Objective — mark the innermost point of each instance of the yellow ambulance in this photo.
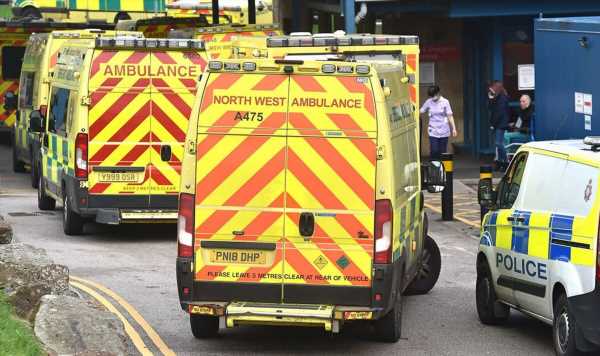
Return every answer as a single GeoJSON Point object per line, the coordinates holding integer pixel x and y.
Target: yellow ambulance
{"type": "Point", "coordinates": [301, 198]}
{"type": "Point", "coordinates": [13, 41]}
{"type": "Point", "coordinates": [39, 61]}
{"type": "Point", "coordinates": [87, 10]}
{"type": "Point", "coordinates": [113, 132]}
{"type": "Point", "coordinates": [235, 11]}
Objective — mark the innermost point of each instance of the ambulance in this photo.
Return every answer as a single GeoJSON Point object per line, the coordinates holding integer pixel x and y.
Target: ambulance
{"type": "Point", "coordinates": [39, 61]}
{"type": "Point", "coordinates": [113, 131]}
{"type": "Point", "coordinates": [13, 41]}
{"type": "Point", "coordinates": [88, 10]}
{"type": "Point", "coordinates": [301, 198]}
{"type": "Point", "coordinates": [161, 26]}
{"type": "Point", "coordinates": [235, 10]}
{"type": "Point", "coordinates": [539, 249]}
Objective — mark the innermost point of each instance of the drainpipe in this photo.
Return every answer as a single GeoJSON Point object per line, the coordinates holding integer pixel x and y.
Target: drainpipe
{"type": "Point", "coordinates": [349, 14]}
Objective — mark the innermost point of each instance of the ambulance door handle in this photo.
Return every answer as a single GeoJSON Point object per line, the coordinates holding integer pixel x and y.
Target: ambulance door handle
{"type": "Point", "coordinates": [306, 225]}
{"type": "Point", "coordinates": [165, 153]}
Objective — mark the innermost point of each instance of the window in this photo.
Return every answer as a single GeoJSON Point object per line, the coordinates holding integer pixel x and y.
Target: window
{"type": "Point", "coordinates": [59, 102]}
{"type": "Point", "coordinates": [26, 89]}
{"type": "Point", "coordinates": [12, 60]}
{"type": "Point", "coordinates": [511, 183]}
{"type": "Point", "coordinates": [542, 183]}
{"type": "Point", "coordinates": [578, 191]}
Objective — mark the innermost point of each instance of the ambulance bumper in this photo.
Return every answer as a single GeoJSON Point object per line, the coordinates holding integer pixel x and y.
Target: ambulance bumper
{"type": "Point", "coordinates": [586, 309]}
{"type": "Point", "coordinates": [328, 317]}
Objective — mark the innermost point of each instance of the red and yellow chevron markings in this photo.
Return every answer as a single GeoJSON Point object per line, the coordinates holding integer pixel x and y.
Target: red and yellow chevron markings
{"type": "Point", "coordinates": [256, 177]}
{"type": "Point", "coordinates": [8, 118]}
{"type": "Point", "coordinates": [131, 117]}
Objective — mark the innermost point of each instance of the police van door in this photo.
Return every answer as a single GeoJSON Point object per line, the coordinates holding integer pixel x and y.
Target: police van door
{"type": "Point", "coordinates": [505, 224]}
{"type": "Point", "coordinates": [540, 222]}
{"type": "Point", "coordinates": [330, 190]}
{"type": "Point", "coordinates": [173, 89]}
{"type": "Point", "coordinates": [240, 180]}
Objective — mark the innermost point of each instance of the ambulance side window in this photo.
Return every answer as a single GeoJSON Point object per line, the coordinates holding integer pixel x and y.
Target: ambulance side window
{"type": "Point", "coordinates": [59, 102]}
{"type": "Point", "coordinates": [511, 183]}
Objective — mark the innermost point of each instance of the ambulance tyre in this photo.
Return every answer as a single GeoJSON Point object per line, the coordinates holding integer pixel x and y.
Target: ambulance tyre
{"type": "Point", "coordinates": [429, 271]}
{"type": "Point", "coordinates": [72, 222]}
{"type": "Point", "coordinates": [490, 311]}
{"type": "Point", "coordinates": [33, 173]}
{"type": "Point", "coordinates": [18, 166]}
{"type": "Point", "coordinates": [204, 326]}
{"type": "Point", "coordinates": [44, 201]}
{"type": "Point", "coordinates": [564, 328]}
{"type": "Point", "coordinates": [389, 327]}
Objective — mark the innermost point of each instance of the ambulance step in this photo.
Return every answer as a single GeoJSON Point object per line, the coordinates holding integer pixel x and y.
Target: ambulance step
{"type": "Point", "coordinates": [281, 314]}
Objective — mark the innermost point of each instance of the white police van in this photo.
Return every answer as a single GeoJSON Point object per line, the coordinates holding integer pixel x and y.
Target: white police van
{"type": "Point", "coordinates": [538, 251]}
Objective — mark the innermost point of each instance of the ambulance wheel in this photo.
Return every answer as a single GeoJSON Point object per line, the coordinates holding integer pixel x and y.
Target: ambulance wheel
{"type": "Point", "coordinates": [72, 222]}
{"type": "Point", "coordinates": [18, 166]}
{"type": "Point", "coordinates": [429, 271]}
{"type": "Point", "coordinates": [31, 12]}
{"type": "Point", "coordinates": [204, 326]}
{"type": "Point", "coordinates": [44, 201]}
{"type": "Point", "coordinates": [489, 309]}
{"type": "Point", "coordinates": [563, 329]}
{"type": "Point", "coordinates": [389, 327]}
{"type": "Point", "coordinates": [33, 173]}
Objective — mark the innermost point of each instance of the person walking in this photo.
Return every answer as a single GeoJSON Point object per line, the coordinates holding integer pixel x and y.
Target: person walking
{"type": "Point", "coordinates": [499, 117]}
{"type": "Point", "coordinates": [519, 131]}
{"type": "Point", "coordinates": [441, 122]}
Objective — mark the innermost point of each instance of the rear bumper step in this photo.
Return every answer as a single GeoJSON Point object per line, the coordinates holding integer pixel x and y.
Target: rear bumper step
{"type": "Point", "coordinates": [328, 317]}
{"type": "Point", "coordinates": [121, 216]}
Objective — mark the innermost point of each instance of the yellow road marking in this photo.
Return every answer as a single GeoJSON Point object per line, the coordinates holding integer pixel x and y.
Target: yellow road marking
{"type": "Point", "coordinates": [133, 335]}
{"type": "Point", "coordinates": [152, 334]}
{"type": "Point", "coordinates": [439, 211]}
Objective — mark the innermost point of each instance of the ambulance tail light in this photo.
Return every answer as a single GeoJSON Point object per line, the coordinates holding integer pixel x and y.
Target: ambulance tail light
{"type": "Point", "coordinates": [383, 231]}
{"type": "Point", "coordinates": [185, 226]}
{"type": "Point", "coordinates": [81, 155]}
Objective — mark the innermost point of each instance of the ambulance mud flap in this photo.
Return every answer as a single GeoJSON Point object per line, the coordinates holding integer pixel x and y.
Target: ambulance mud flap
{"type": "Point", "coordinates": [281, 314]}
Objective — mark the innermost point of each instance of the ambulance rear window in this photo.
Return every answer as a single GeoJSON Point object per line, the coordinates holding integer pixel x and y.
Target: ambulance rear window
{"type": "Point", "coordinates": [12, 60]}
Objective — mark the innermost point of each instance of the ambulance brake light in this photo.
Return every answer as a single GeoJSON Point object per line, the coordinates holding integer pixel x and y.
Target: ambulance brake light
{"type": "Point", "coordinates": [384, 219]}
{"type": "Point", "coordinates": [81, 155]}
{"type": "Point", "coordinates": [185, 225]}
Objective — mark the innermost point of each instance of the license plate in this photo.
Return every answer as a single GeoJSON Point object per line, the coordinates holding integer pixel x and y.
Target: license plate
{"type": "Point", "coordinates": [126, 177]}
{"type": "Point", "coordinates": [240, 257]}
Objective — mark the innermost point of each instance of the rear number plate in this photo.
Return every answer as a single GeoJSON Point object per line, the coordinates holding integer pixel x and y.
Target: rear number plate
{"type": "Point", "coordinates": [242, 257]}
{"type": "Point", "coordinates": [126, 177]}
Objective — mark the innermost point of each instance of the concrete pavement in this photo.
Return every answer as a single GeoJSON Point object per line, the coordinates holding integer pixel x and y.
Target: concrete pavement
{"type": "Point", "coordinates": [137, 264]}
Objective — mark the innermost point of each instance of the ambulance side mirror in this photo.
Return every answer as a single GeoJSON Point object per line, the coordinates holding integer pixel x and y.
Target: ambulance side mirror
{"type": "Point", "coordinates": [433, 176]}
{"type": "Point", "coordinates": [486, 195]}
{"type": "Point", "coordinates": [36, 121]}
{"type": "Point", "coordinates": [10, 101]}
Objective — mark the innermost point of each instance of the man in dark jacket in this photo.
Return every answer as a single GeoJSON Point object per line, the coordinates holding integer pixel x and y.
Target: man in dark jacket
{"type": "Point", "coordinates": [499, 118]}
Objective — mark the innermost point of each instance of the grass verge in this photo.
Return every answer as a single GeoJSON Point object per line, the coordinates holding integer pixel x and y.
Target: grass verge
{"type": "Point", "coordinates": [16, 337]}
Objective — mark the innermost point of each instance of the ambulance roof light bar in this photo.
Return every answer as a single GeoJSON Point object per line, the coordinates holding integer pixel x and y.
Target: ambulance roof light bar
{"type": "Point", "coordinates": [328, 68]}
{"type": "Point", "coordinates": [137, 42]}
{"type": "Point", "coordinates": [319, 40]}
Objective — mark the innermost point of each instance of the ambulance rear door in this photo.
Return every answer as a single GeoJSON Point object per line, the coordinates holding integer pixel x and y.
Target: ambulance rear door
{"type": "Point", "coordinates": [330, 190]}
{"type": "Point", "coordinates": [240, 187]}
{"type": "Point", "coordinates": [173, 89]}
{"type": "Point", "coordinates": [119, 128]}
